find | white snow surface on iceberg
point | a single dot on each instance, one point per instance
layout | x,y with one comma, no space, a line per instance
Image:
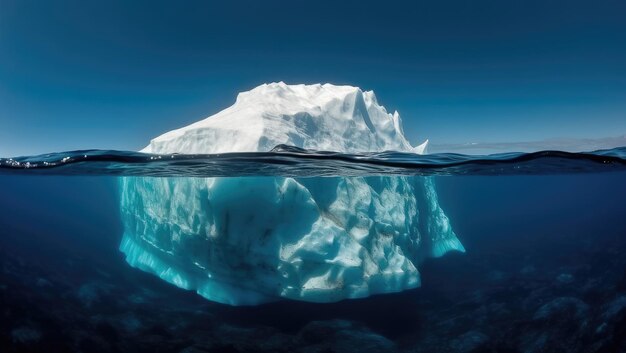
245,241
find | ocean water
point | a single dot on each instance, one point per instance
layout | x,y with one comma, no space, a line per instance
544,268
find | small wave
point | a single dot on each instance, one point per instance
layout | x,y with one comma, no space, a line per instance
289,161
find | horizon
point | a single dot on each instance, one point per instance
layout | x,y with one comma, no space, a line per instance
115,75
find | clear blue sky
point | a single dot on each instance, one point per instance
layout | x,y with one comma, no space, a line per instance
111,75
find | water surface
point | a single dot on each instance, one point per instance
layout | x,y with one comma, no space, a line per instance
544,269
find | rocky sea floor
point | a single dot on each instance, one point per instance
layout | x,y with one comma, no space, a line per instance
504,297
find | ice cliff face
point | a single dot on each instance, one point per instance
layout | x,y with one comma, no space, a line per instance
319,117
252,240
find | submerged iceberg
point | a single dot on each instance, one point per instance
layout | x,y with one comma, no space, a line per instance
250,240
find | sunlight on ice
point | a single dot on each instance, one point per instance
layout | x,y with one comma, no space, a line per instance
250,240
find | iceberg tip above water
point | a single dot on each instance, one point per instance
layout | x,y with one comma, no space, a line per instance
250,240
319,117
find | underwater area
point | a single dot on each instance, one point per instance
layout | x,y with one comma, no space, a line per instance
543,268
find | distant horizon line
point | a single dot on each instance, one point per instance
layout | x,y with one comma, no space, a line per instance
569,144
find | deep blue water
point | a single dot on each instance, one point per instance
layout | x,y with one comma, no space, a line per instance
544,270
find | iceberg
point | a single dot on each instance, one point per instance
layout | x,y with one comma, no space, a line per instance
251,240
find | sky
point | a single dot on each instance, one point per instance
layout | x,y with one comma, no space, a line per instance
114,74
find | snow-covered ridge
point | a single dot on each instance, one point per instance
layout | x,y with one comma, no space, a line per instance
250,240
321,117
